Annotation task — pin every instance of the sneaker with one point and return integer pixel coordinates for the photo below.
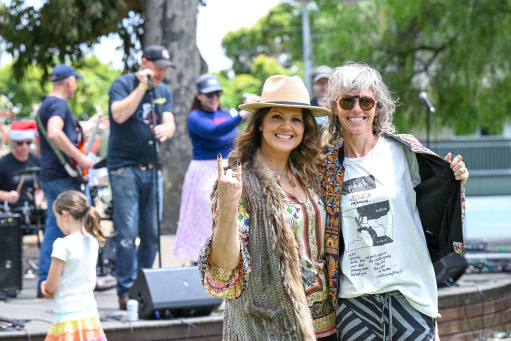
(123, 301)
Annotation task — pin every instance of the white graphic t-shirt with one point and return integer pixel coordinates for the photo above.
(385, 247)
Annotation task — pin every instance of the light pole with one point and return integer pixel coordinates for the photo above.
(307, 55)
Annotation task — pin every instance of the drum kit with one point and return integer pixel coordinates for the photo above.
(32, 216)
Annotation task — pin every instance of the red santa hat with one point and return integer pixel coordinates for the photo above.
(22, 130)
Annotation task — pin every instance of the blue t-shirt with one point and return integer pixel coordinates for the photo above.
(212, 133)
(130, 142)
(51, 168)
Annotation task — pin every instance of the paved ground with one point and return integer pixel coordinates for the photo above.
(35, 315)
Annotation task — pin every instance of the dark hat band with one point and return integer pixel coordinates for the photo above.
(289, 103)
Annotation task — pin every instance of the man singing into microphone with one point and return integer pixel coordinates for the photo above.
(131, 162)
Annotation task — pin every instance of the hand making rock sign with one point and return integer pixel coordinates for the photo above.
(226, 233)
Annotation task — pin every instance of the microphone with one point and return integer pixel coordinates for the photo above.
(149, 81)
(424, 97)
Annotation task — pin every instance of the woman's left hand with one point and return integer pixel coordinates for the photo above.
(458, 167)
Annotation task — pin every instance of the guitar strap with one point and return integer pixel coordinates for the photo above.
(72, 172)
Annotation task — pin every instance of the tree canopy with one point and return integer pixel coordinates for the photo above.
(456, 51)
(91, 90)
(62, 30)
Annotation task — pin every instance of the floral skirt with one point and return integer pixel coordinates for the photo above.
(86, 329)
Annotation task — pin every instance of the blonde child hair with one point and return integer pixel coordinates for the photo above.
(77, 205)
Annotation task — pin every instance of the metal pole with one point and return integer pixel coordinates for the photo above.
(428, 114)
(307, 48)
(156, 154)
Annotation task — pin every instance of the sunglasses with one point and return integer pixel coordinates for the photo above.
(348, 102)
(213, 94)
(20, 143)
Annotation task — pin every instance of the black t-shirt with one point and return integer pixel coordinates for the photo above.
(51, 167)
(9, 179)
(129, 142)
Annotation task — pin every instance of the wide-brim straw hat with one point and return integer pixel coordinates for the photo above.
(285, 92)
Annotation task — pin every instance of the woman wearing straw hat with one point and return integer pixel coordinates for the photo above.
(265, 256)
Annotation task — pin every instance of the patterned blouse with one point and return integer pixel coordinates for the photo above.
(307, 219)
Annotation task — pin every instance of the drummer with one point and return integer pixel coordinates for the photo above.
(19, 168)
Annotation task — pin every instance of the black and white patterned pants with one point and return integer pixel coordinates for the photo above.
(382, 317)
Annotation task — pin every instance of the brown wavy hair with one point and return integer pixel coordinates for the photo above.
(306, 157)
(77, 205)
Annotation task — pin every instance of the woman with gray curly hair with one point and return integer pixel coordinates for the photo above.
(353, 77)
(402, 210)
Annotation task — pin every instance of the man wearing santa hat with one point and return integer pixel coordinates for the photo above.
(18, 188)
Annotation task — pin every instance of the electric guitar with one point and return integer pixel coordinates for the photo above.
(74, 168)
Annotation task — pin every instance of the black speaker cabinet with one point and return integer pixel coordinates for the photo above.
(10, 254)
(449, 269)
(171, 292)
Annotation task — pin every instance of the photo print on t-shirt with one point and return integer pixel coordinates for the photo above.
(368, 214)
(144, 115)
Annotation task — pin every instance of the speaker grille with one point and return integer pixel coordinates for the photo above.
(10, 253)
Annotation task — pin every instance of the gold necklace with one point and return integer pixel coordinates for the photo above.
(291, 181)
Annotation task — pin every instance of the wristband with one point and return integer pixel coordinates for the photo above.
(142, 85)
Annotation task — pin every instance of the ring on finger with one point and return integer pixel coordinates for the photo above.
(460, 157)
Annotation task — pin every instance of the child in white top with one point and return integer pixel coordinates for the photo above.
(72, 275)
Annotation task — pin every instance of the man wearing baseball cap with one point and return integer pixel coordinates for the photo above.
(16, 188)
(59, 136)
(320, 78)
(131, 162)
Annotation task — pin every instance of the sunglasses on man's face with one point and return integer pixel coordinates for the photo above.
(213, 94)
(348, 102)
(20, 143)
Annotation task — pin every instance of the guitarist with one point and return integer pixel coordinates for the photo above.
(60, 135)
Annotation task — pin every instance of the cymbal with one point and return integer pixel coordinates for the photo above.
(28, 170)
(100, 164)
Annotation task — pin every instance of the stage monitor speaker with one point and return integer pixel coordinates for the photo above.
(171, 292)
(449, 269)
(10, 254)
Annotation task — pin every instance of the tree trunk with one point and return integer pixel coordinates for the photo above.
(173, 24)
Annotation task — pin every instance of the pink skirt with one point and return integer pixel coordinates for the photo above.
(195, 219)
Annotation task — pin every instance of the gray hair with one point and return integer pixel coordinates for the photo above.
(354, 77)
